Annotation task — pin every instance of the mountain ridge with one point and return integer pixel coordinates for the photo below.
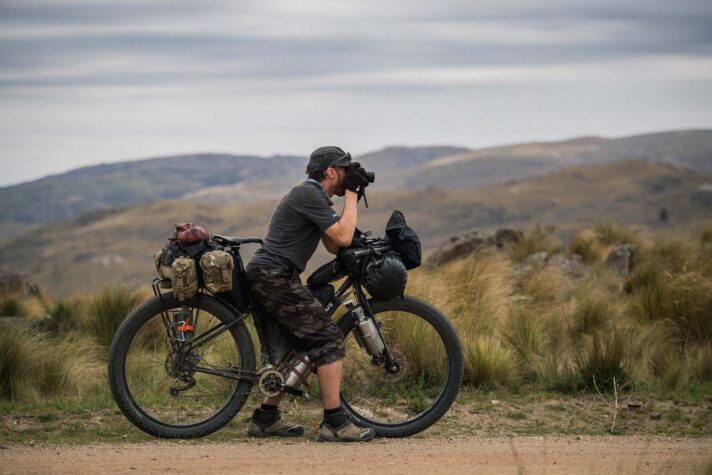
(82, 253)
(225, 178)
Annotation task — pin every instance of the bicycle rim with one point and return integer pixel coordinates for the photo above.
(154, 382)
(382, 399)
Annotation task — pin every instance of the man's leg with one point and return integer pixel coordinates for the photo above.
(329, 376)
(273, 400)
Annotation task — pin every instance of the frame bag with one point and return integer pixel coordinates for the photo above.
(403, 240)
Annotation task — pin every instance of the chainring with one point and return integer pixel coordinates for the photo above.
(270, 383)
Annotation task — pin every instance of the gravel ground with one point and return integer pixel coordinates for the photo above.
(611, 454)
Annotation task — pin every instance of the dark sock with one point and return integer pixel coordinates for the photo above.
(335, 417)
(265, 413)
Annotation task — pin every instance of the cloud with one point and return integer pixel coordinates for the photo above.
(70, 66)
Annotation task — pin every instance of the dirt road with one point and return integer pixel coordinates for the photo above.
(423, 455)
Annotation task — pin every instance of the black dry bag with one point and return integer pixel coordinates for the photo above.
(403, 240)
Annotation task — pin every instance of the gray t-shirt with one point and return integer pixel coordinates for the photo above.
(296, 227)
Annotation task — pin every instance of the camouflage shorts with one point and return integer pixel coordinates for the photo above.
(291, 303)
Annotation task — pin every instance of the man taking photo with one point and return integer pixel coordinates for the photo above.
(301, 219)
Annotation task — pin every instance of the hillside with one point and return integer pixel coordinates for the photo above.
(220, 179)
(81, 254)
(389, 164)
(691, 149)
(207, 177)
(107, 186)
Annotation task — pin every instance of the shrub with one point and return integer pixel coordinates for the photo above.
(108, 308)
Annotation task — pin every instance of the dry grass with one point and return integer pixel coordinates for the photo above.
(108, 308)
(33, 365)
(540, 328)
(547, 330)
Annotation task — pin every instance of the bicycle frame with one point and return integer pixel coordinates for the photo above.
(269, 338)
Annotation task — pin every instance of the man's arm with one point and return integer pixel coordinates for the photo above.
(342, 231)
(329, 244)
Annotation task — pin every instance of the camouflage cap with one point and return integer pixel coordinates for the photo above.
(329, 156)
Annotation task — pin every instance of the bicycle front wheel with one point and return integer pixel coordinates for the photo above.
(171, 393)
(430, 365)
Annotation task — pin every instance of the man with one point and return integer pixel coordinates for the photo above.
(300, 220)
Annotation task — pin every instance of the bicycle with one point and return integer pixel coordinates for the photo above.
(174, 383)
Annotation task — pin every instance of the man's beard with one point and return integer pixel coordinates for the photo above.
(340, 191)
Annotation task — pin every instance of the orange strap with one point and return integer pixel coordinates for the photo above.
(186, 327)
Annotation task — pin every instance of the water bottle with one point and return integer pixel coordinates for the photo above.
(297, 370)
(367, 333)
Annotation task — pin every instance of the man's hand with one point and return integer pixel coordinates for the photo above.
(356, 179)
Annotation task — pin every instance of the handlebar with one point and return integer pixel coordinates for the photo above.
(372, 250)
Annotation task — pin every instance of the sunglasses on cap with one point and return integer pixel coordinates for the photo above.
(346, 157)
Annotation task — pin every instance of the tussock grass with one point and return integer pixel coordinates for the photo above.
(543, 329)
(537, 327)
(537, 240)
(108, 308)
(12, 307)
(69, 314)
(33, 366)
(488, 363)
(594, 244)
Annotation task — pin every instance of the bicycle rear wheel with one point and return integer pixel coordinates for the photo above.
(430, 366)
(159, 390)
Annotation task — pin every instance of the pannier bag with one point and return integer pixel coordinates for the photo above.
(184, 278)
(385, 277)
(217, 271)
(164, 272)
(403, 240)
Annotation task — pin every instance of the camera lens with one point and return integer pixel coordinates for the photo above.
(371, 176)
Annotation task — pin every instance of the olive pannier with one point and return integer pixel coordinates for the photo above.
(184, 278)
(217, 269)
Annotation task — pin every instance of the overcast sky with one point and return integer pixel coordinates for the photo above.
(89, 82)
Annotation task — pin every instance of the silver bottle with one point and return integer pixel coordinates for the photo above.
(367, 333)
(297, 370)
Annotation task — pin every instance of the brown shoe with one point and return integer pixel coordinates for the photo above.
(275, 427)
(349, 432)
